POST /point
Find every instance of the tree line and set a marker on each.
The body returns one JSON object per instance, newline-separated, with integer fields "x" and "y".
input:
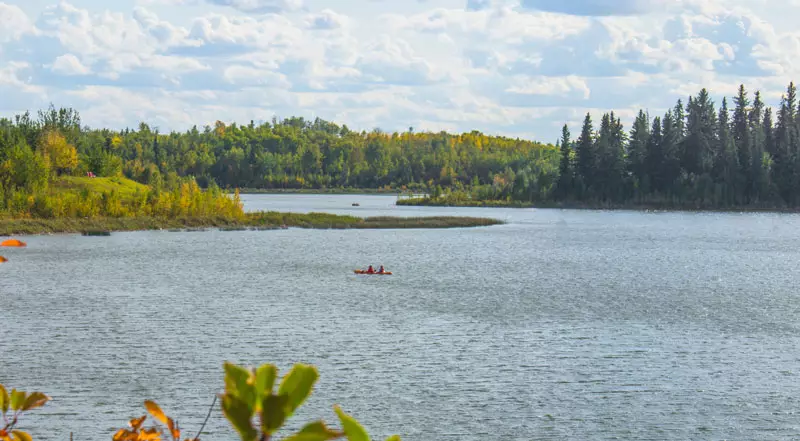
{"x": 693, "y": 155}
{"x": 290, "y": 153}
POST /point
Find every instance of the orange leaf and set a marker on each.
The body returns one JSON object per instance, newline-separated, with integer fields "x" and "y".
{"x": 156, "y": 411}
{"x": 173, "y": 429}
{"x": 149, "y": 435}
{"x": 21, "y": 436}
{"x": 34, "y": 400}
{"x": 124, "y": 435}
{"x": 3, "y": 259}
{"x": 137, "y": 422}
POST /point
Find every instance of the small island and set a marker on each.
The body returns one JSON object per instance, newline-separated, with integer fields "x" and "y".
{"x": 95, "y": 205}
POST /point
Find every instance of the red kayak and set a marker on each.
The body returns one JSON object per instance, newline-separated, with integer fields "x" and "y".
{"x": 385, "y": 273}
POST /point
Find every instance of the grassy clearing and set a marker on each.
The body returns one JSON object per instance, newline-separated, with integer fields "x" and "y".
{"x": 126, "y": 188}
{"x": 256, "y": 221}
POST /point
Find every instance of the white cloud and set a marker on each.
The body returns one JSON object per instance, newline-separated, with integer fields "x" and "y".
{"x": 516, "y": 67}
{"x": 69, "y": 64}
{"x": 13, "y": 23}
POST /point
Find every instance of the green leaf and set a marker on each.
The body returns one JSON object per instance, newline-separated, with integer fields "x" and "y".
{"x": 238, "y": 413}
{"x": 5, "y": 401}
{"x": 274, "y": 411}
{"x": 351, "y": 427}
{"x": 34, "y": 400}
{"x": 240, "y": 383}
{"x": 17, "y": 399}
{"x": 316, "y": 431}
{"x": 265, "y": 382}
{"x": 394, "y": 438}
{"x": 297, "y": 384}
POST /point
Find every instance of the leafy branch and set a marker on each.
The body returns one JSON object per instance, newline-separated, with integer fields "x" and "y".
{"x": 17, "y": 402}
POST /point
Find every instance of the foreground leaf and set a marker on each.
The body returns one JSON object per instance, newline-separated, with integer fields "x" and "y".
{"x": 239, "y": 383}
{"x": 21, "y": 436}
{"x": 238, "y": 413}
{"x": 17, "y": 399}
{"x": 174, "y": 430}
{"x": 156, "y": 411}
{"x": 121, "y": 435}
{"x": 394, "y": 438}
{"x": 274, "y": 411}
{"x": 135, "y": 423}
{"x": 149, "y": 435}
{"x": 265, "y": 382}
{"x": 316, "y": 431}
{"x": 297, "y": 384}
{"x": 351, "y": 427}
{"x": 34, "y": 400}
{"x": 5, "y": 401}
{"x": 4, "y": 436}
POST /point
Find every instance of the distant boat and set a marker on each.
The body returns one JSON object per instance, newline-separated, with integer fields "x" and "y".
{"x": 356, "y": 204}
{"x": 385, "y": 273}
{"x": 96, "y": 233}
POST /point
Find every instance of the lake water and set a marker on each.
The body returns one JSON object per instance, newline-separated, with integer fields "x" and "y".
{"x": 559, "y": 325}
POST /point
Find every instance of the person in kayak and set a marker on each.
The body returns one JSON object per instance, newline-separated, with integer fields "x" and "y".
{"x": 370, "y": 270}
{"x": 381, "y": 270}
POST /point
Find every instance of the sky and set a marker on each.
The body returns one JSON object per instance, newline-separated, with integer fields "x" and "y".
{"x": 519, "y": 68}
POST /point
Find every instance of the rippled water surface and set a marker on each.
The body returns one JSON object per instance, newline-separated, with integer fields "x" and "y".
{"x": 567, "y": 325}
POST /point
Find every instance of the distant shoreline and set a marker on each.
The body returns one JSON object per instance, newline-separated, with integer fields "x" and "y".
{"x": 590, "y": 206}
{"x": 331, "y": 191}
{"x": 250, "y": 221}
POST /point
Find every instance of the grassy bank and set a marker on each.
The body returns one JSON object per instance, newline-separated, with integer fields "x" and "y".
{"x": 650, "y": 206}
{"x": 444, "y": 202}
{"x": 318, "y": 191}
{"x": 260, "y": 220}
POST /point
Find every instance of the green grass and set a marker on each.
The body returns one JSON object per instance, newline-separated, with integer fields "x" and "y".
{"x": 124, "y": 187}
{"x": 333, "y": 190}
{"x": 445, "y": 202}
{"x": 251, "y": 221}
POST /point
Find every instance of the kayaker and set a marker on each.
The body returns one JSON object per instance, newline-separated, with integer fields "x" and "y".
{"x": 381, "y": 270}
{"x": 370, "y": 270}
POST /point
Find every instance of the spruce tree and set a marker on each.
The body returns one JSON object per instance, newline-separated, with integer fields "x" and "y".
{"x": 565, "y": 167}
{"x": 726, "y": 160}
{"x": 586, "y": 161}
{"x": 637, "y": 149}
{"x": 740, "y": 129}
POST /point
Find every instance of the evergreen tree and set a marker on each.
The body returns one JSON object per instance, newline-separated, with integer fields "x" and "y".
{"x": 700, "y": 132}
{"x": 785, "y": 139}
{"x": 669, "y": 149}
{"x": 565, "y": 166}
{"x": 726, "y": 160}
{"x": 742, "y": 137}
{"x": 757, "y": 173}
{"x": 637, "y": 149}
{"x": 586, "y": 162}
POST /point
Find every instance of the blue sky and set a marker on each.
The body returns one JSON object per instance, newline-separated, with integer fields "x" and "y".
{"x": 512, "y": 67}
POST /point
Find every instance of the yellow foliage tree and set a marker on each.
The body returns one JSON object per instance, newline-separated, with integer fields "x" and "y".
{"x": 62, "y": 156}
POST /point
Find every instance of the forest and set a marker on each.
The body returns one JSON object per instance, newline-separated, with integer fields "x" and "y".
{"x": 695, "y": 155}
